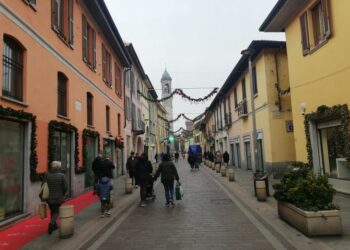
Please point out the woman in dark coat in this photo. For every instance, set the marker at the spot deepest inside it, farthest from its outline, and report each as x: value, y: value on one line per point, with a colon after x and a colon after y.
x: 58, y: 188
x: 143, y: 176
x: 169, y: 173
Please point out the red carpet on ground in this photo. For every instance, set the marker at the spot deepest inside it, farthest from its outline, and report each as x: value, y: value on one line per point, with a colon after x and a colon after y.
x: 23, y: 232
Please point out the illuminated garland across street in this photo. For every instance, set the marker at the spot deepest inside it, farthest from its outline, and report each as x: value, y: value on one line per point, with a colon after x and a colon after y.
x: 184, y: 116
x: 182, y: 94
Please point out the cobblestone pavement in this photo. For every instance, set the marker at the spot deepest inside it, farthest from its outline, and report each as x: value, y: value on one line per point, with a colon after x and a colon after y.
x: 205, y: 219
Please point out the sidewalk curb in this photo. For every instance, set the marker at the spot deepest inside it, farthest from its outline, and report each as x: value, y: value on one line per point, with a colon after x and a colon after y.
x: 268, y: 216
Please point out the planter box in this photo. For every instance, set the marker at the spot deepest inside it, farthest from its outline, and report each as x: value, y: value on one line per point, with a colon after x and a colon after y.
x: 321, y: 223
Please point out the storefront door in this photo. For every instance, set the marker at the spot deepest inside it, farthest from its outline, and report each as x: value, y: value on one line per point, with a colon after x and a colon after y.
x: 11, y: 168
x: 108, y: 149
x: 237, y: 155
x: 91, y: 154
x: 63, y: 153
x: 248, y: 155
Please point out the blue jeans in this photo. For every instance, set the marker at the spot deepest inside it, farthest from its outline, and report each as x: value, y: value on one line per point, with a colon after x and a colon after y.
x: 169, y: 190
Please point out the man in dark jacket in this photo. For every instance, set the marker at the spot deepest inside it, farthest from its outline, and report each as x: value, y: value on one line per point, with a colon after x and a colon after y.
x: 131, y: 166
x: 226, y: 158
x: 58, y: 188
x: 107, y: 168
x: 143, y: 176
x: 97, y: 169
x: 169, y: 173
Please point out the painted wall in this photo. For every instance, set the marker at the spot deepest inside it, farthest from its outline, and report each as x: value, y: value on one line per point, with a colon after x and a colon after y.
x: 322, y: 77
x: 46, y: 55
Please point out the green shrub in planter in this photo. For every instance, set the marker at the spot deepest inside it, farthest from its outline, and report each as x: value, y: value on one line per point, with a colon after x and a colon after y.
x: 304, y: 189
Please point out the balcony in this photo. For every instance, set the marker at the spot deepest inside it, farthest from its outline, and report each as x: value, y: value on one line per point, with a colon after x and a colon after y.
x: 138, y: 128
x: 242, y: 109
x: 228, y: 119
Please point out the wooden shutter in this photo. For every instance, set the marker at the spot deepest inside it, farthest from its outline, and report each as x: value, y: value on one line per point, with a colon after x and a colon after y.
x: 54, y: 14
x: 304, y: 33
x: 104, y: 69
x: 94, y: 49
x: 71, y: 23
x: 110, y: 69
x: 85, y: 40
x: 326, y: 16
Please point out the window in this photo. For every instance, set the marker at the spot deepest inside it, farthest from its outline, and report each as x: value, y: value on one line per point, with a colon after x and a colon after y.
x: 235, y: 97
x: 138, y: 90
x: 12, y: 69
x: 106, y: 67
x: 119, y: 124
x: 89, y: 44
x: 244, y: 93
x: 107, y: 118
x: 128, y: 109
x: 89, y: 105
x: 62, y: 95
x: 304, y: 33
x: 320, y: 21
x: 132, y: 79
x: 118, y: 81
x: 255, y: 84
x: 319, y: 27
x: 62, y: 19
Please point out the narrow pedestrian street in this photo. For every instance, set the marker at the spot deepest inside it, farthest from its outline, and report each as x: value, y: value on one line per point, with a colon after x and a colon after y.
x: 205, y: 219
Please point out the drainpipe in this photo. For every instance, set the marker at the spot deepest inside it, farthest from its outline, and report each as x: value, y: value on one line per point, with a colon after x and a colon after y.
x: 278, y: 83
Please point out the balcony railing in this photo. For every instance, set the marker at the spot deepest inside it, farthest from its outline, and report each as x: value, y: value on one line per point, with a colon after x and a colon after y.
x: 242, y: 109
x: 138, y: 128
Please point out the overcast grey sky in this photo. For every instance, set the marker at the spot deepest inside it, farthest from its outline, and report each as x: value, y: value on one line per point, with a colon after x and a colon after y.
x: 199, y: 41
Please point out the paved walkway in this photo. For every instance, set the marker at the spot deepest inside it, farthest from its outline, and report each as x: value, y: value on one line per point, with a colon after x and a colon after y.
x: 207, y: 218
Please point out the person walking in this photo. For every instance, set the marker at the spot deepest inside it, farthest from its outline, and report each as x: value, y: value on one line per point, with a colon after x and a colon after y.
x: 218, y: 158
x: 177, y: 156
x: 107, y: 167
x: 104, y: 192
x: 97, y: 169
x: 191, y: 160
x: 168, y: 173
x: 156, y: 157
x: 131, y: 167
x: 58, y: 188
x: 143, y: 176
x: 226, y: 158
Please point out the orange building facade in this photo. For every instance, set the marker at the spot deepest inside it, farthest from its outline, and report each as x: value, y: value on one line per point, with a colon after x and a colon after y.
x: 62, y: 96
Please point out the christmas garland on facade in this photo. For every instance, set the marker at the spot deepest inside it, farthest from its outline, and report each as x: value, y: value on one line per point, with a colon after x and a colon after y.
x: 87, y: 133
x: 21, y: 115
x: 181, y: 129
x: 183, y: 95
x: 63, y: 127
x: 325, y: 113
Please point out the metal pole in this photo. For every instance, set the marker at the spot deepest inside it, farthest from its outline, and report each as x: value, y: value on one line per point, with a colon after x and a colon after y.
x: 256, y: 168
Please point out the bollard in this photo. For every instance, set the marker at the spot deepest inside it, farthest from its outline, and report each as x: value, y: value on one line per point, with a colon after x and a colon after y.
x: 128, y: 186
x: 223, y: 171
x: 231, y: 174
x: 217, y: 168
x: 66, y: 215
x: 261, y: 190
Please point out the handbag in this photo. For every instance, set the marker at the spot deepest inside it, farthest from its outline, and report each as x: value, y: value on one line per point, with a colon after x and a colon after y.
x: 42, y: 211
x: 44, y: 192
x: 179, y: 192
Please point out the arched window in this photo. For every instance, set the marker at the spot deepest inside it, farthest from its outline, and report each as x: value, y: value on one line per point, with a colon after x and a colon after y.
x: 12, y: 69
x: 62, y: 94
x: 166, y: 89
x: 90, y: 103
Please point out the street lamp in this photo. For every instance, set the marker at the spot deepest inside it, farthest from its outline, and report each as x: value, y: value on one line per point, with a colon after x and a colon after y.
x: 249, y: 52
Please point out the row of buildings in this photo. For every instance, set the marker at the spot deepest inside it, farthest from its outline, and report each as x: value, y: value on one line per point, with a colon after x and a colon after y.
x: 69, y: 87
x: 298, y: 91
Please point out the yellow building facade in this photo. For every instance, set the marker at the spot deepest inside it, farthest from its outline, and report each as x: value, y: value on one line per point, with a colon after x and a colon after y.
x: 161, y: 129
x: 230, y: 119
x: 319, y: 72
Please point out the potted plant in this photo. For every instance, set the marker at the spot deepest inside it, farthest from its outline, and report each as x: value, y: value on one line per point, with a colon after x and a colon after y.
x: 305, y: 200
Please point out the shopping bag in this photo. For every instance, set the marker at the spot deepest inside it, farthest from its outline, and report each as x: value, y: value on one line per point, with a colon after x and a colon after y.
x: 181, y: 191
x: 42, y: 211
x: 44, y: 192
x: 178, y: 192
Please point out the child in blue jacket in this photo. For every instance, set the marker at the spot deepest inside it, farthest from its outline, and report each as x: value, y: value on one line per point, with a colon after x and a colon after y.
x: 104, y: 192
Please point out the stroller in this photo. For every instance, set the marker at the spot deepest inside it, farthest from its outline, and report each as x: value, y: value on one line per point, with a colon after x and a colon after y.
x: 150, y: 194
